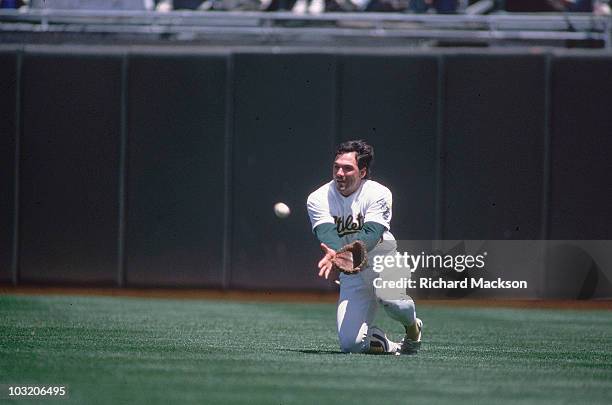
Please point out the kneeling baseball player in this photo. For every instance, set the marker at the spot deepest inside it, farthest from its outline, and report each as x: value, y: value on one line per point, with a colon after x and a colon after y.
x: 351, y: 217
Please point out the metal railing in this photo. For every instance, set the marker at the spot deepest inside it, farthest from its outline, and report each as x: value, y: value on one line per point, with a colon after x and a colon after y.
x: 327, y: 28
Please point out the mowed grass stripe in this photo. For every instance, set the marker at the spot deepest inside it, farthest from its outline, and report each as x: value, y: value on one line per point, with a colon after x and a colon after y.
x: 135, y: 350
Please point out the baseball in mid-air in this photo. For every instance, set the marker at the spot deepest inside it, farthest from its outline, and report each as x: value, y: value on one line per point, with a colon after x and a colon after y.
x: 281, y: 210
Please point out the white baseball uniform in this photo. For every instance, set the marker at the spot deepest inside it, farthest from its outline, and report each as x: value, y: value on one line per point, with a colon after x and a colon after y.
x: 359, y: 300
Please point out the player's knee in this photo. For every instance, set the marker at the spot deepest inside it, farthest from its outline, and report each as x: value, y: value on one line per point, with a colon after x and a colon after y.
x: 402, y: 310
x: 405, y: 304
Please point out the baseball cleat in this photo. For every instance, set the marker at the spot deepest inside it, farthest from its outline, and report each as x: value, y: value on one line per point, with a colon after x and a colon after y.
x: 380, y: 343
x: 409, y: 345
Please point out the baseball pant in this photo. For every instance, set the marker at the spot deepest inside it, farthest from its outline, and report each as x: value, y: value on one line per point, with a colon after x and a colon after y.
x: 359, y: 301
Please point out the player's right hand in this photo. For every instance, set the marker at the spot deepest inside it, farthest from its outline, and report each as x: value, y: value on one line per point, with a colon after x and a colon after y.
x: 326, y: 263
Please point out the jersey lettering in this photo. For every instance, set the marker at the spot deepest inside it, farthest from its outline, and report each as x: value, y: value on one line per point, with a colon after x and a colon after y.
x: 347, y: 226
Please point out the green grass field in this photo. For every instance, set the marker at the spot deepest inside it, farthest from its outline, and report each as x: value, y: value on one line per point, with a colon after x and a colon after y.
x: 135, y: 350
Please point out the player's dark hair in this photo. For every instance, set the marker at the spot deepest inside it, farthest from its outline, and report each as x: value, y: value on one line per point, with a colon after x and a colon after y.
x: 365, y: 153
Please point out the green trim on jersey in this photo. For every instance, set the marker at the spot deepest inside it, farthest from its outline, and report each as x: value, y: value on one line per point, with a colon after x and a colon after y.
x: 370, y: 234
x: 326, y: 233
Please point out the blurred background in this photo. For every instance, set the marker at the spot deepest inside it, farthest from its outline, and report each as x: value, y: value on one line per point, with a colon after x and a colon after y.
x: 320, y: 6
x: 144, y: 144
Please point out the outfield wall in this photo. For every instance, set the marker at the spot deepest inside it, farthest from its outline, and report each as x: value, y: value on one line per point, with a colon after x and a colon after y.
x: 157, y: 167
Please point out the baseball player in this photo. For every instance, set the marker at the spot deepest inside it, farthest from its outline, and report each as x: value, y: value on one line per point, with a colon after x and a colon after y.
x: 352, y: 208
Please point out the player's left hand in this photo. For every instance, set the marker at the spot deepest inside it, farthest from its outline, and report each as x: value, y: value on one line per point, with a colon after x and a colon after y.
x: 326, y: 264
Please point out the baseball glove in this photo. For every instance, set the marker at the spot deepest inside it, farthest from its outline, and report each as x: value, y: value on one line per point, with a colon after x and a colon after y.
x: 352, y: 258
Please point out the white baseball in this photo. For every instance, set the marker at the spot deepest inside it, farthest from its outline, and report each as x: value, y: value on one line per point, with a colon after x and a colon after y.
x: 281, y: 210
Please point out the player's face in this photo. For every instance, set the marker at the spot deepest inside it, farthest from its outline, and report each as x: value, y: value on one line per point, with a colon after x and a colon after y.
x: 347, y: 174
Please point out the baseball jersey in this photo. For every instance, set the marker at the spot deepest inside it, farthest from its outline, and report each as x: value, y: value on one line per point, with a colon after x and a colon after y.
x: 370, y: 203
